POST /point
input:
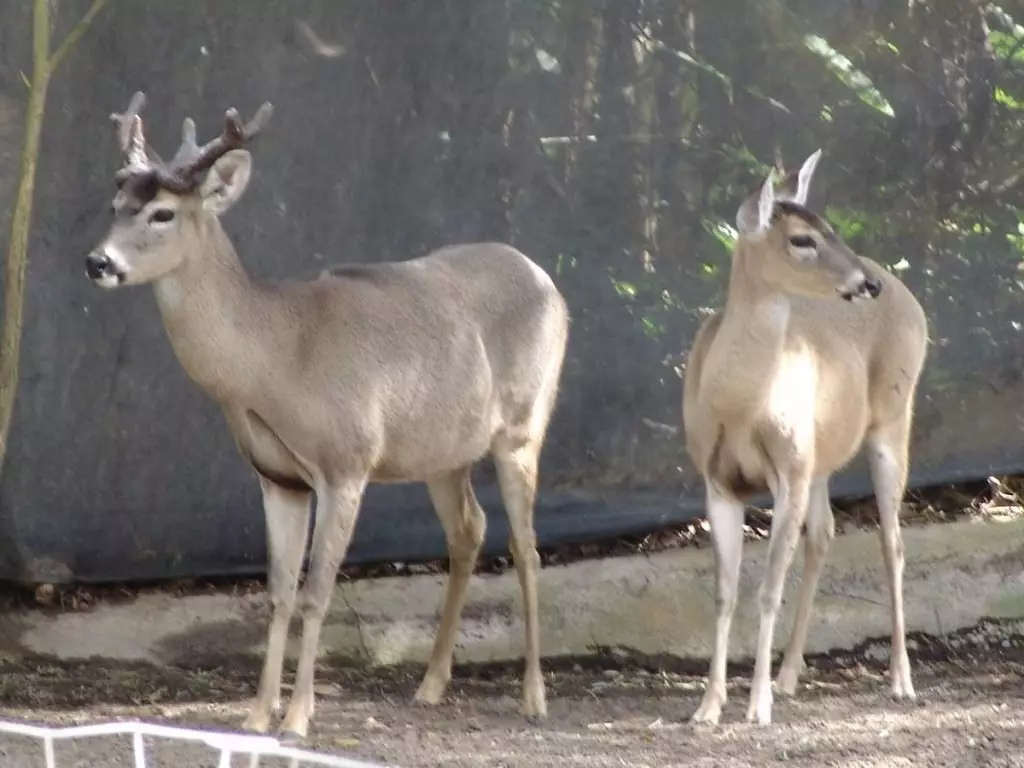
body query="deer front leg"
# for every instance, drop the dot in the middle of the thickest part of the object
(726, 518)
(337, 508)
(820, 531)
(517, 478)
(464, 527)
(287, 520)
(791, 498)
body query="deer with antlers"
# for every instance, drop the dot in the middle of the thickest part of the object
(407, 371)
(782, 389)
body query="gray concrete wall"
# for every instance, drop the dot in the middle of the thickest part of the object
(956, 575)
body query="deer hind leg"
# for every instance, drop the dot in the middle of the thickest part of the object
(464, 527)
(337, 508)
(819, 532)
(287, 519)
(791, 497)
(887, 456)
(726, 518)
(517, 477)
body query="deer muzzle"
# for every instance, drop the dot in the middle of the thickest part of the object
(862, 288)
(103, 270)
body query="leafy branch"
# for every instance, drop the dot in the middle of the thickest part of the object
(44, 64)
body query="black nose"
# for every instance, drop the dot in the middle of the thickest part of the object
(870, 287)
(96, 265)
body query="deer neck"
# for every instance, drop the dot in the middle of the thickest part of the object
(752, 336)
(214, 315)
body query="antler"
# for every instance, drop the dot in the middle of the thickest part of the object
(191, 160)
(129, 133)
(184, 172)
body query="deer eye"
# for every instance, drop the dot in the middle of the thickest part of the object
(802, 241)
(161, 216)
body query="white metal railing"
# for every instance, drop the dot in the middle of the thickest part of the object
(228, 744)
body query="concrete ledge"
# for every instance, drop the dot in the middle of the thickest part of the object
(957, 574)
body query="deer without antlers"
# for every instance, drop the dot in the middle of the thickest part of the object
(408, 371)
(782, 388)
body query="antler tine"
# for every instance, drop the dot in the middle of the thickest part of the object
(234, 136)
(130, 135)
(188, 149)
(135, 151)
(259, 120)
(125, 120)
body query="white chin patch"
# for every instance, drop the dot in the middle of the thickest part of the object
(108, 281)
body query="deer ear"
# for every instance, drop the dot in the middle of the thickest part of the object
(226, 181)
(766, 203)
(803, 179)
(756, 211)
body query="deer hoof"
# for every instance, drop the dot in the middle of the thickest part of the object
(535, 706)
(760, 709)
(710, 709)
(899, 693)
(431, 692)
(535, 711)
(257, 722)
(290, 738)
(786, 682)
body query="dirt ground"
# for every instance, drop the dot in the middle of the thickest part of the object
(615, 710)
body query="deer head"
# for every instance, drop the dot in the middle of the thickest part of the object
(160, 208)
(796, 250)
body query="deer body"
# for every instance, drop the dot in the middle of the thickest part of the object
(408, 371)
(759, 360)
(782, 389)
(470, 314)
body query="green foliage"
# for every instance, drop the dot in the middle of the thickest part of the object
(1004, 98)
(852, 77)
(1016, 239)
(722, 231)
(1008, 46)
